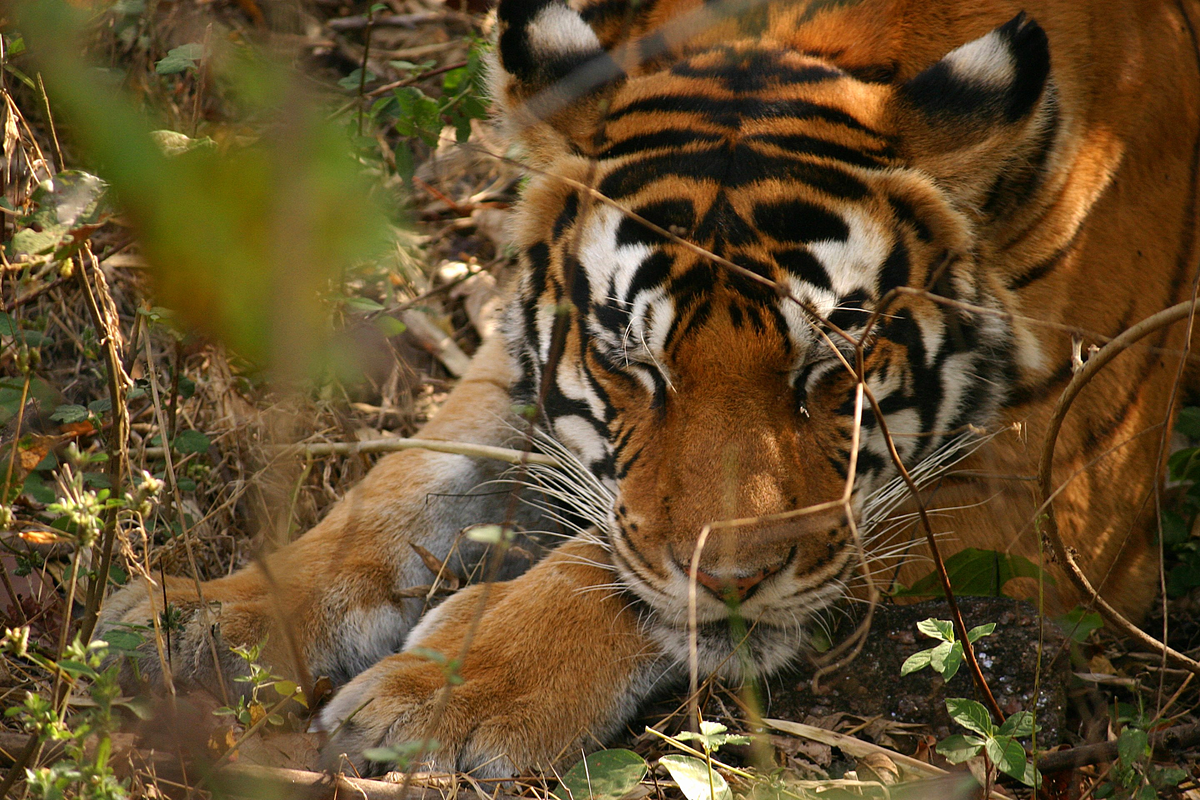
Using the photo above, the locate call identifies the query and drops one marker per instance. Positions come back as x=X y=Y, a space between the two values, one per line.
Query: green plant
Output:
x=249 y=709
x=84 y=769
x=694 y=772
x=1181 y=550
x=996 y=743
x=975 y=573
x=947 y=657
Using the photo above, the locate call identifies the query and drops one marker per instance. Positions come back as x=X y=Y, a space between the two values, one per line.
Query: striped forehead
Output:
x=635 y=283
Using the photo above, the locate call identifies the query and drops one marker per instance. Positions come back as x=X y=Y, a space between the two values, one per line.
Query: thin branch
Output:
x=1064 y=554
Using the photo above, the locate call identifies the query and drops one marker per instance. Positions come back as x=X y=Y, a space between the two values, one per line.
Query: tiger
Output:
x=769 y=253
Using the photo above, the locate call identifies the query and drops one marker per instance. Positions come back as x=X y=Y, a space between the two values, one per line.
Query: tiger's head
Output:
x=710 y=229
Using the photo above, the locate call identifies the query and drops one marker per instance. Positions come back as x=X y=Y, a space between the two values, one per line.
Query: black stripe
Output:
x=673 y=138
x=730 y=167
x=730 y=112
x=799 y=144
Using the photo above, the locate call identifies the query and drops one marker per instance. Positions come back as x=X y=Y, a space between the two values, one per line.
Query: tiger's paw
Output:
x=399 y=709
x=551 y=668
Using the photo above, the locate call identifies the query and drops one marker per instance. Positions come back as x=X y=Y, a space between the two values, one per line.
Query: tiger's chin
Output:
x=735 y=641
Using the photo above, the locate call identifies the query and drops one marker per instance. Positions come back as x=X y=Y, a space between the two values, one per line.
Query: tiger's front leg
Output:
x=555 y=661
x=335 y=598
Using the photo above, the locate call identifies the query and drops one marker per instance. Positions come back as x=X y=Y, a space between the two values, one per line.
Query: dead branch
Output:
x=1172 y=741
x=1065 y=555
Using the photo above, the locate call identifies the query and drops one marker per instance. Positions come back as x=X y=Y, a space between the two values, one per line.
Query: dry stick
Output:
x=415 y=79
x=104 y=317
x=362 y=69
x=1065 y=555
x=395 y=445
x=34 y=294
x=183 y=528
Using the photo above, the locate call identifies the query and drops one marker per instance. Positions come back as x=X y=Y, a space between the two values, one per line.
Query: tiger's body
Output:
x=1039 y=173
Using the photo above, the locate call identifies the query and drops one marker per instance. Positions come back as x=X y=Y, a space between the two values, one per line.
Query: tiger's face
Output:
x=706 y=365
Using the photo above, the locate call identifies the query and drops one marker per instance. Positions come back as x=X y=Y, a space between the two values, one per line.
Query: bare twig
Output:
x=1064 y=555
x=409 y=21
x=104 y=316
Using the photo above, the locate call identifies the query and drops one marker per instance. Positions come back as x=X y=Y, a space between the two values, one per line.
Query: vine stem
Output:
x=1066 y=556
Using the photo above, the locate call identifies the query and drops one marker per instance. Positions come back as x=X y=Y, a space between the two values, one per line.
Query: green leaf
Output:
x=488 y=534
x=1188 y=422
x=941 y=658
x=141 y=707
x=76 y=668
x=399 y=754
x=1079 y=623
x=1132 y=745
x=940 y=629
x=191 y=442
x=389 y=326
x=174 y=143
x=67 y=414
x=693 y=775
x=355 y=79
x=916 y=661
x=36 y=488
x=123 y=641
x=978 y=573
x=954 y=660
x=362 y=304
x=1007 y=754
x=1018 y=724
x=180 y=59
x=603 y=775
x=419 y=115
x=67 y=207
x=971 y=715
x=979 y=631
x=958 y=748
x=33 y=338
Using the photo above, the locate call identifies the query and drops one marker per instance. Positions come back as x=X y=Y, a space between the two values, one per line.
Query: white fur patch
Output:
x=988 y=61
x=605 y=262
x=557 y=30
x=580 y=436
x=854 y=264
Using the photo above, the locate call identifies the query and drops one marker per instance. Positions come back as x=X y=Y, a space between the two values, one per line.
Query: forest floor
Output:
x=398 y=85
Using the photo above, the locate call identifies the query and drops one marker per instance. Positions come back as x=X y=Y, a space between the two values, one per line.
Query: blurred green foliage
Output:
x=243 y=241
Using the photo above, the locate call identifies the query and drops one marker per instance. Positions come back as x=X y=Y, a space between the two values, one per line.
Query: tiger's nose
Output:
x=734 y=588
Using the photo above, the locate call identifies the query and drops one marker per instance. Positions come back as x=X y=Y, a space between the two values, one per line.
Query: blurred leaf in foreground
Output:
x=242 y=242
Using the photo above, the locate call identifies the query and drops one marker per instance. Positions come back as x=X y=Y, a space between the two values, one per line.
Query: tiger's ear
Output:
x=550 y=61
x=976 y=119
